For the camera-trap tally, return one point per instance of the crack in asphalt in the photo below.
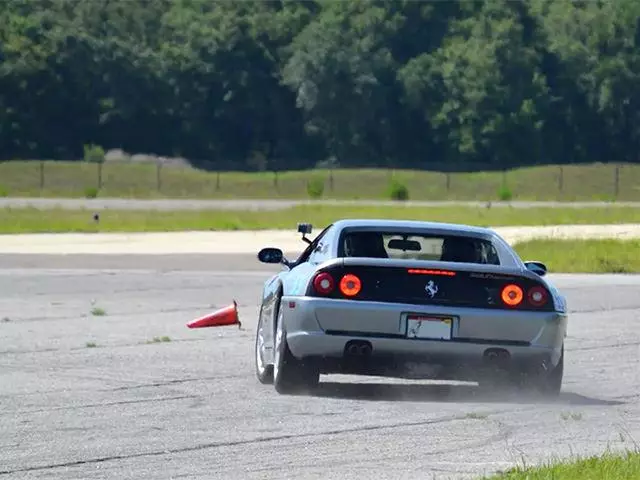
(600, 347)
(128, 387)
(206, 446)
(105, 404)
(606, 309)
(116, 345)
(500, 435)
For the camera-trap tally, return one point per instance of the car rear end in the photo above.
(453, 315)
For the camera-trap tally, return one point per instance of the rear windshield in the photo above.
(415, 246)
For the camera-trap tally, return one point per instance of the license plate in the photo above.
(429, 327)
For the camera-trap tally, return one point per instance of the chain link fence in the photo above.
(589, 182)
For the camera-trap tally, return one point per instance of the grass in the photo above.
(570, 256)
(32, 220)
(83, 179)
(163, 339)
(584, 256)
(606, 467)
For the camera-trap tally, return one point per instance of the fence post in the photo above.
(99, 175)
(561, 179)
(616, 183)
(217, 180)
(159, 176)
(42, 175)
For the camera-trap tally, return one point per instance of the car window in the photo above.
(321, 252)
(416, 246)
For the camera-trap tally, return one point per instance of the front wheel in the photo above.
(264, 372)
(289, 374)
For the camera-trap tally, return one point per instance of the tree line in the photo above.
(295, 84)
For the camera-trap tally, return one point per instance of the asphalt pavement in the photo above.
(132, 407)
(99, 204)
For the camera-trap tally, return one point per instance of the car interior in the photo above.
(373, 244)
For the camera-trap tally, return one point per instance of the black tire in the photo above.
(550, 383)
(290, 375)
(546, 382)
(264, 373)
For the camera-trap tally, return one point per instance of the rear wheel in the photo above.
(290, 375)
(546, 382)
(549, 383)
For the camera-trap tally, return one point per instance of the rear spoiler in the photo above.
(491, 270)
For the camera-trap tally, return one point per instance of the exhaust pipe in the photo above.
(353, 349)
(497, 355)
(365, 349)
(358, 349)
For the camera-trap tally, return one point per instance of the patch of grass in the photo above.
(32, 220)
(571, 416)
(567, 183)
(476, 416)
(91, 345)
(98, 312)
(584, 256)
(164, 339)
(609, 467)
(91, 192)
(505, 194)
(315, 187)
(398, 190)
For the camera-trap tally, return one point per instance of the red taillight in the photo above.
(350, 285)
(537, 296)
(424, 271)
(323, 283)
(512, 295)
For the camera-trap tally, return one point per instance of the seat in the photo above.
(460, 250)
(365, 244)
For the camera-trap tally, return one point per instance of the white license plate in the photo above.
(424, 326)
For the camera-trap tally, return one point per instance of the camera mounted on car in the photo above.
(305, 229)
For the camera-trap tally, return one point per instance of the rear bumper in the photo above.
(322, 328)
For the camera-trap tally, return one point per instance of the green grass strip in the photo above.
(606, 467)
(31, 220)
(549, 182)
(584, 256)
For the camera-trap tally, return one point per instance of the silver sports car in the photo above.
(409, 299)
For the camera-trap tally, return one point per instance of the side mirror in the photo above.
(270, 255)
(538, 268)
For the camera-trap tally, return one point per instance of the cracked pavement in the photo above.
(192, 408)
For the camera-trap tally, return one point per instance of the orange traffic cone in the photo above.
(224, 316)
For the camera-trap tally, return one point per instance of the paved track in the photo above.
(191, 408)
(99, 204)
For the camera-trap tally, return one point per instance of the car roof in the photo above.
(412, 224)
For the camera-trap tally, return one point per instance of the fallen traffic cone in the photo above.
(224, 316)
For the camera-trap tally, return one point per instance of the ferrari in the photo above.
(409, 299)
